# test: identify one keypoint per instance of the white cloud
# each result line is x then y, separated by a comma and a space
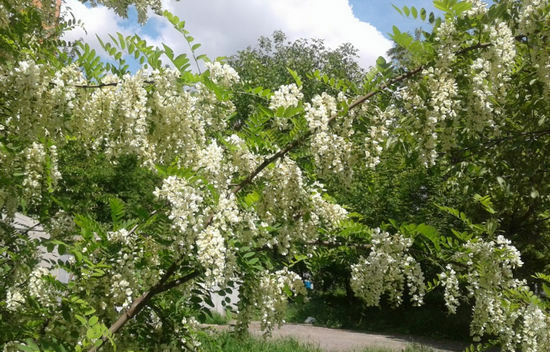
225, 26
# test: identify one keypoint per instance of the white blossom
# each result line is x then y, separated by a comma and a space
386, 270
14, 300
222, 74
286, 96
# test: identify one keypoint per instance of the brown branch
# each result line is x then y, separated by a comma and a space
397, 79
144, 299
174, 283
102, 85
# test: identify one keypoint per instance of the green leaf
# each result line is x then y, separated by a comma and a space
485, 202
121, 41
414, 12
295, 76
441, 5
30, 346
461, 7
423, 14
180, 60
81, 319
406, 10
93, 320
195, 46
430, 233
118, 210
168, 51
287, 291
397, 9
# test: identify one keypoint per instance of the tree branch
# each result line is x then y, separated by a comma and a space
164, 284
143, 300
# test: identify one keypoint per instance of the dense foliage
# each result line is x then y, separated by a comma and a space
166, 184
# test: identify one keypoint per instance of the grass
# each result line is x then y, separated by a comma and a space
229, 342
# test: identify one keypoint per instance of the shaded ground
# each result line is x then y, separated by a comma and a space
339, 340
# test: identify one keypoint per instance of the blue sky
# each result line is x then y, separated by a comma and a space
225, 26
383, 16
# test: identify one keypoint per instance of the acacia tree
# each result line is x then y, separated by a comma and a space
243, 206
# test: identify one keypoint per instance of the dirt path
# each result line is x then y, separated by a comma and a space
338, 340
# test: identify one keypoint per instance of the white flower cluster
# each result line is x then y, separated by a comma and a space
186, 202
39, 164
210, 159
122, 236
319, 111
444, 91
121, 292
179, 120
285, 97
331, 153
332, 213
222, 74
488, 277
282, 199
39, 288
241, 157
448, 43
502, 53
441, 111
211, 254
536, 336
39, 108
272, 294
479, 7
481, 107
531, 15
380, 121
452, 289
331, 148
162, 126
14, 299
386, 270
187, 329
189, 209
34, 168
490, 75
64, 86
133, 127
36, 287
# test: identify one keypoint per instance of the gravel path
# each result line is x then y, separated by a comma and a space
338, 340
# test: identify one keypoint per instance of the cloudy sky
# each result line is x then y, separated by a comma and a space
225, 26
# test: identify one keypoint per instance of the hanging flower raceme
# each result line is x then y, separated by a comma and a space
222, 74
287, 96
271, 296
486, 268
387, 269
